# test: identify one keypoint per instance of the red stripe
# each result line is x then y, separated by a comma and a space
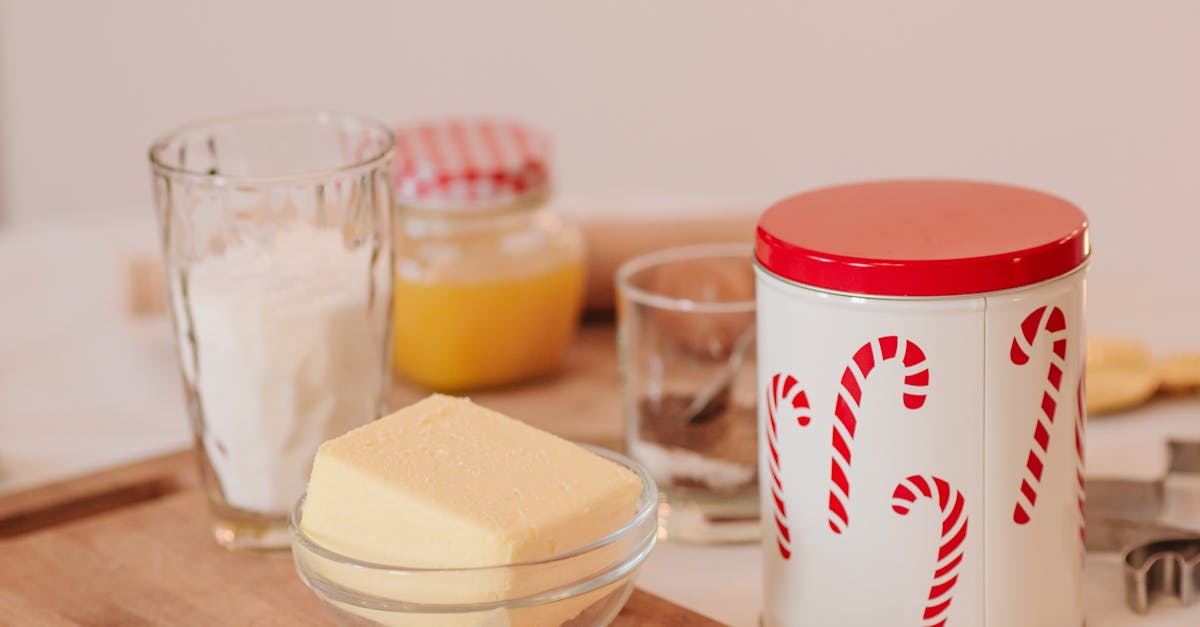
1060, 348
843, 412
1029, 492
836, 508
404, 151
800, 400
943, 492
1020, 516
771, 446
491, 144
433, 147
887, 346
919, 483
838, 476
913, 354
918, 379
771, 407
840, 446
939, 589
1057, 321
1017, 354
788, 383
934, 610
1055, 376
783, 530
949, 566
783, 551
1042, 436
850, 384
1029, 326
1048, 406
463, 148
949, 547
865, 359
955, 513
779, 506
521, 141
903, 493
1035, 467
914, 401
525, 154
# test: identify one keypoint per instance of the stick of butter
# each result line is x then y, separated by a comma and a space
445, 483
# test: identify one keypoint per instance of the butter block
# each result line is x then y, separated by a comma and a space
445, 483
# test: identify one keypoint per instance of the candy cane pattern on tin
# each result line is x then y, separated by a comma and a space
951, 504
1080, 435
1053, 322
782, 388
916, 379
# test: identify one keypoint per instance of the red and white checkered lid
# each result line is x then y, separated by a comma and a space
470, 164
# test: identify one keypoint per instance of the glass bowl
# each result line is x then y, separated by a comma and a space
581, 587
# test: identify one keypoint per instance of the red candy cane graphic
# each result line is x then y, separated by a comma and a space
1081, 483
780, 389
916, 379
954, 532
1052, 321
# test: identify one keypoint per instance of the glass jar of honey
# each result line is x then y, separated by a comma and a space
488, 279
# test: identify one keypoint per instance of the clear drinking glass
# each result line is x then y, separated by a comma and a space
276, 238
686, 348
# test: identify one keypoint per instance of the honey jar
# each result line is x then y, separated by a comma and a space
488, 278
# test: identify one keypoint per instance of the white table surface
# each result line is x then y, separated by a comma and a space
85, 385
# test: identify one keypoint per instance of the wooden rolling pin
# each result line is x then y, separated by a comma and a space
609, 244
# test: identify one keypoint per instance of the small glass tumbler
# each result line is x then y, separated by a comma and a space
686, 347
276, 235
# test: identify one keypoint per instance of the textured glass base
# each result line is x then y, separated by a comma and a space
239, 531
704, 517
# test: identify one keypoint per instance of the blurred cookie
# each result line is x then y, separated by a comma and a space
1120, 375
1179, 373
1117, 353
1113, 389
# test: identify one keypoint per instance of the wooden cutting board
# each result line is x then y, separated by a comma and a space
131, 546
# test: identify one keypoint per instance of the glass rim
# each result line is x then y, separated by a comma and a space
626, 270
647, 507
320, 116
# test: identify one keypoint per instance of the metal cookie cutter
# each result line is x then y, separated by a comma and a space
1154, 525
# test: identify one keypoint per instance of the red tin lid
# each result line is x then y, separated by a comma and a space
921, 238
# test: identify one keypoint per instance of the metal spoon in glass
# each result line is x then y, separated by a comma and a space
714, 399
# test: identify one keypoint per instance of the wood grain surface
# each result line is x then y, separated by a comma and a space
131, 545
580, 401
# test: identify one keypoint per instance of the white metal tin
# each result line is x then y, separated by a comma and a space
970, 430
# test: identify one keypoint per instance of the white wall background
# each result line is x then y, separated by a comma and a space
664, 104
